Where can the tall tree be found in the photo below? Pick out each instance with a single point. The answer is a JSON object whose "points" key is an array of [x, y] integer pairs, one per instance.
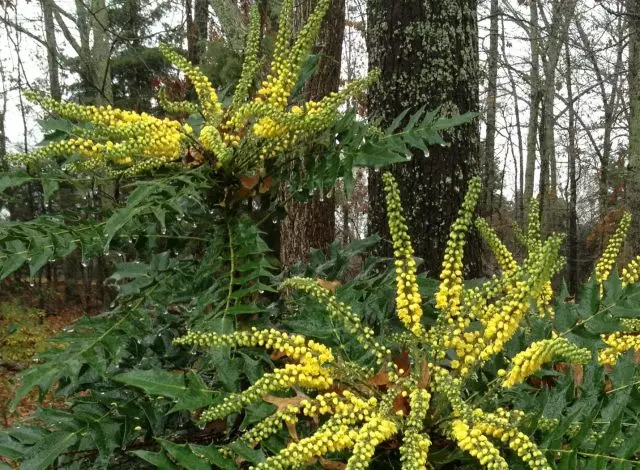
{"points": [[427, 52], [312, 224], [52, 48], [489, 163], [558, 29], [535, 97], [572, 150], [633, 184]]}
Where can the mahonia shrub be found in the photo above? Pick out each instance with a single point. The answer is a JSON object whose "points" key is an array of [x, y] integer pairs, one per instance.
{"points": [[179, 211], [417, 390], [209, 357]]}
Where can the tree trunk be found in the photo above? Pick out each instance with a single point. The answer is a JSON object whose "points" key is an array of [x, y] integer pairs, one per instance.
{"points": [[201, 18], [101, 53], [562, 16], [534, 103], [492, 87], [633, 184], [312, 224], [572, 242], [427, 52], [52, 49]]}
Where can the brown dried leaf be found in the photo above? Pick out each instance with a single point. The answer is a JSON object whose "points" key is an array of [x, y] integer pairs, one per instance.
{"points": [[293, 432], [282, 403], [249, 182], [401, 403], [332, 464], [380, 379], [403, 362], [265, 185], [277, 355], [578, 374], [329, 285], [425, 376]]}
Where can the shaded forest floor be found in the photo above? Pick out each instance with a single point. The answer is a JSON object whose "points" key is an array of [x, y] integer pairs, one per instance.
{"points": [[19, 304]]}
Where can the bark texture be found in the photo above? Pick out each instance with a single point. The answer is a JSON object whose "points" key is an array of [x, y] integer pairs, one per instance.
{"points": [[427, 52], [312, 224], [492, 88], [633, 183]]}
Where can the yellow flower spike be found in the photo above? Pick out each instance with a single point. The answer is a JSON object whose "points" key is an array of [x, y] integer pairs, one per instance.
{"points": [[533, 236], [309, 375], [519, 442], [631, 324], [611, 252], [543, 302], [376, 430], [283, 37], [307, 36], [630, 274], [502, 254], [332, 436], [617, 344], [529, 361], [251, 64], [117, 136], [207, 96], [450, 291], [408, 298], [308, 372], [415, 443], [175, 107], [341, 312], [501, 318], [211, 140], [476, 444], [347, 405]]}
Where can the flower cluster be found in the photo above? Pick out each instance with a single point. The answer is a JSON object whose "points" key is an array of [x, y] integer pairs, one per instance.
{"points": [[117, 137], [630, 274], [608, 258], [408, 298], [617, 344], [503, 256], [474, 442], [308, 369], [128, 142], [340, 312], [450, 291], [518, 442], [529, 361], [350, 405], [376, 430], [347, 404], [415, 443]]}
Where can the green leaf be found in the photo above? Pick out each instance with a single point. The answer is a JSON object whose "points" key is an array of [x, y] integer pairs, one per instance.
{"points": [[11, 448], [11, 264], [447, 123], [45, 452], [376, 155], [40, 255], [213, 455], [246, 452], [49, 188], [198, 395], [154, 381], [184, 456], [159, 459], [190, 395], [13, 179]]}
